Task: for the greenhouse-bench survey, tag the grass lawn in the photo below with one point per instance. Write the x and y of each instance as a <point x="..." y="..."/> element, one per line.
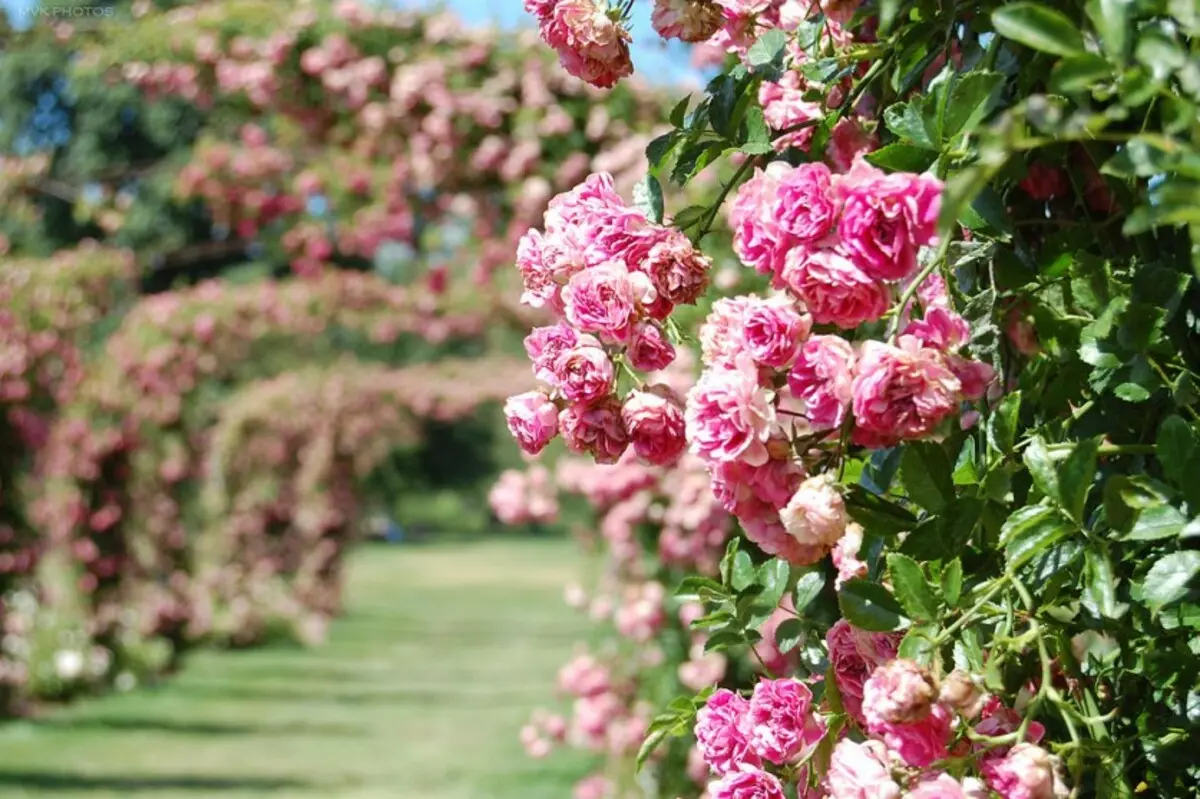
<point x="441" y="655"/>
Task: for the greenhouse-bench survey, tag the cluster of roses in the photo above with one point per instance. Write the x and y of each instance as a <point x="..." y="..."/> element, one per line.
<point x="907" y="723"/>
<point x="841" y="248"/>
<point x="612" y="276"/>
<point x="590" y="37"/>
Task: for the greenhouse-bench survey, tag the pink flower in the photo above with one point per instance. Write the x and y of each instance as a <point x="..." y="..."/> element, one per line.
<point x="940" y="328"/>
<point x="779" y="722"/>
<point x="532" y="419"/>
<point x="536" y="275"/>
<point x="584" y="374"/>
<point x="677" y="269"/>
<point x="823" y="376"/>
<point x="592" y="44"/>
<point x="845" y="556"/>
<point x="816" y="514"/>
<point x="1026" y="772"/>
<point x="773" y="331"/>
<point x="860" y="771"/>
<point x="544" y="345"/>
<point x="899" y="692"/>
<point x="749" y="783"/>
<point x="722" y="336"/>
<point x="943" y="786"/>
<point x="655" y="424"/>
<point x="784" y="108"/>
<point x="696" y="674"/>
<point x="757" y="242"/>
<point x="834" y="289"/>
<point x="901" y="393"/>
<point x="805" y="207"/>
<point x="688" y="20"/>
<point x="840" y="11"/>
<point x="596" y="429"/>
<point x="602" y="300"/>
<point x="854" y="654"/>
<point x="729" y="415"/>
<point x="847" y="141"/>
<point x="918" y="743"/>
<point x="719" y="735"/>
<point x="649" y="349"/>
<point x="886" y="218"/>
<point x="597" y="786"/>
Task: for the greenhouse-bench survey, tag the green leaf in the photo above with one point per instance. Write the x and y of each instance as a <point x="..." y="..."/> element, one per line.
<point x="651" y="743"/>
<point x="918" y="644"/>
<point x="1111" y="18"/>
<point x="689" y="216"/>
<point x="1037" y="26"/>
<point x="1075" y="477"/>
<point x="1131" y="392"/>
<point x="1155" y="523"/>
<point x="789" y="635"/>
<point x="691" y="586"/>
<point x="648" y="198"/>
<point x="766" y="54"/>
<point x="969" y="101"/>
<point x="911" y="588"/>
<point x="876" y="514"/>
<point x="926" y="474"/>
<point x="901" y="157"/>
<point x="757" y="131"/>
<point x="1079" y="73"/>
<point x="952" y="582"/>
<point x="808" y="588"/>
<point x="1033" y="539"/>
<point x="658" y="149"/>
<point x="773" y="577"/>
<point x="679" y="112"/>
<point x="943" y="536"/>
<point x="1002" y="425"/>
<point x="1169" y="578"/>
<point x="1100" y="585"/>
<point x="869" y="606"/>
<point x="743" y="574"/>
<point x="731" y="550"/>
<point x="907" y="121"/>
<point x="1041" y="468"/>
<point x="1176" y="446"/>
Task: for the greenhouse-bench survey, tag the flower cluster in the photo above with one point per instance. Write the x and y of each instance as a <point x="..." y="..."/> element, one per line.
<point x="612" y="277"/>
<point x="589" y="36"/>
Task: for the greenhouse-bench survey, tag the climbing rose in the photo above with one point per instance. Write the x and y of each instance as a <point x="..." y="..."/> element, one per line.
<point x="860" y="771"/>
<point x="688" y="20"/>
<point x="886" y="219"/>
<point x="919" y="743"/>
<point x="823" y="376"/>
<point x="1026" y="772"/>
<point x="532" y="419"/>
<point x="854" y="654"/>
<point x="779" y="723"/>
<point x="805" y="206"/>
<point x="756" y="239"/>
<point x="773" y="331"/>
<point x="943" y="786"/>
<point x="833" y="288"/>
<point x="899" y="692"/>
<point x="655" y="423"/>
<point x="816" y="514"/>
<point x="596" y="429"/>
<point x="722" y="336"/>
<point x="845" y="556"/>
<point x="729" y="415"/>
<point x="602" y="300"/>
<point x="719" y="733"/>
<point x="677" y="269"/>
<point x="749" y="783"/>
<point x="544" y="345"/>
<point x="584" y="374"/>
<point x="649" y="349"/>
<point x="592" y="43"/>
<point x="901" y="392"/>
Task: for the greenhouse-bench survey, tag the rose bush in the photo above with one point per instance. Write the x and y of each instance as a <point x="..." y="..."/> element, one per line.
<point x="966" y="371"/>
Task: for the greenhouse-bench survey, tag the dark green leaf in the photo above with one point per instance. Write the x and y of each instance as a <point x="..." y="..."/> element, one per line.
<point x="1075" y="477"/>
<point x="911" y="588"/>
<point x="723" y="640"/>
<point x="727" y="560"/>
<point x="691" y="586"/>
<point x="1131" y="392"/>
<point x="1175" y="448"/>
<point x="767" y="52"/>
<point x="689" y="216"/>
<point x="789" y="635"/>
<point x="907" y="121"/>
<point x="1155" y="523"/>
<point x="743" y="573"/>
<point x="1002" y="426"/>
<point x="952" y="581"/>
<point x="925" y="472"/>
<point x="757" y="131"/>
<point x="876" y="514"/>
<point x="679" y="112"/>
<point x="901" y="157"/>
<point x="658" y="149"/>
<point x="1034" y="539"/>
<point x="773" y="577"/>
<point x="1170" y="577"/>
<point x="1041" y="468"/>
<point x="969" y="101"/>
<point x="1023" y="519"/>
<point x="1100" y="585"/>
<point x="918" y="644"/>
<point x="1079" y="73"/>
<point x="943" y="536"/>
<point x="869" y="606"/>
<point x="648" y="198"/>
<point x="808" y="588"/>
<point x="1037" y="26"/>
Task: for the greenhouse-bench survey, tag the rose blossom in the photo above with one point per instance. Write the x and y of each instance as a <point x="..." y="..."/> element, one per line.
<point x="655" y="423"/>
<point x="584" y="374"/>
<point x="833" y="288"/>
<point x="823" y="376"/>
<point x="749" y="783"/>
<point x="847" y="141"/>
<point x="729" y="415"/>
<point x="779" y="722"/>
<point x="596" y="429"/>
<point x="677" y="269"/>
<point x="773" y="331"/>
<point x="649" y="349"/>
<point x="816" y="513"/>
<point x="860" y="771"/>
<point x="784" y="108"/>
<point x="804" y="206"/>
<point x="603" y="300"/>
<point x="719" y="733"/>
<point x="845" y="556"/>
<point x="597" y="786"/>
<point x="899" y="692"/>
<point x="943" y="786"/>
<point x="756" y="240"/>
<point x="722" y="336"/>
<point x="592" y="45"/>
<point x="699" y="673"/>
<point x="687" y="20"/>
<point x="1026" y="772"/>
<point x="918" y="743"/>
<point x="854" y="654"/>
<point x="544" y="345"/>
<point x="886" y="218"/>
<point x="901" y="392"/>
<point x="532" y="419"/>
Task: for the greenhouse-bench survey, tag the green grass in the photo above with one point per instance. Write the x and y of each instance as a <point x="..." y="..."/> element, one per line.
<point x="419" y="694"/>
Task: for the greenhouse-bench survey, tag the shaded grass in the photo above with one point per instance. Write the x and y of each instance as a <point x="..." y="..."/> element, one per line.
<point x="443" y="652"/>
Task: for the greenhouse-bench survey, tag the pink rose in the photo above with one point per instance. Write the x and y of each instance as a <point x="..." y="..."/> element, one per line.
<point x="784" y="108"/>
<point x="756" y="240"/>
<point x="596" y="429"/>
<point x="532" y="419"/>
<point x="860" y="771"/>
<point x="655" y="424"/>
<point x="823" y="377"/>
<point x="536" y="275"/>
<point x="779" y="722"/>
<point x="943" y="786"/>
<point x="840" y="11"/>
<point x="602" y="300"/>
<point x="847" y="141"/>
<point x="584" y="374"/>
<point x="1026" y="772"/>
<point x="845" y="556"/>
<point x="749" y="783"/>
<point x="649" y="349"/>
<point x="940" y="328"/>
<point x="596" y="786"/>
<point x="722" y="336"/>
<point x="678" y="270"/>
<point x="719" y="735"/>
<point x="696" y="674"/>
<point x="544" y="345"/>
<point x="816" y="514"/>
<point x="591" y="45"/>
<point x="834" y="289"/>
<point x="854" y="654"/>
<point x="918" y="743"/>
<point x="898" y="692"/>
<point x="901" y="392"/>
<point x="886" y="218"/>
<point x="687" y="20"/>
<point x="773" y="331"/>
<point x="805" y="207"/>
<point x="729" y="415"/>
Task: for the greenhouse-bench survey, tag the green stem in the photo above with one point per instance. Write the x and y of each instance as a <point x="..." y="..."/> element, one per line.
<point x="911" y="291"/>
<point x="728" y="187"/>
<point x="971" y="613"/>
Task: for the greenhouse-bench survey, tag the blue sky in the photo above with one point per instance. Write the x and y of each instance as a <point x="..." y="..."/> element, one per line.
<point x="651" y="59"/>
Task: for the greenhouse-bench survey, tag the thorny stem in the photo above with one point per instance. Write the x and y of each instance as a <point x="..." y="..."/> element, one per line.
<point x="971" y="613"/>
<point x="911" y="291"/>
<point x="728" y="187"/>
